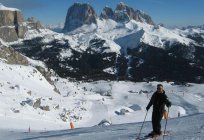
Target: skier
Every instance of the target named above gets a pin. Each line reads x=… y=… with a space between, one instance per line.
x=158 y=100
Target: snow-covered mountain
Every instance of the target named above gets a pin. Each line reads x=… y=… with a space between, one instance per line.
x=80 y=14
x=123 y=43
x=103 y=47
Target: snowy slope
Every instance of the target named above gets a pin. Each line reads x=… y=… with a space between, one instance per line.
x=134 y=97
x=185 y=128
x=22 y=84
x=87 y=103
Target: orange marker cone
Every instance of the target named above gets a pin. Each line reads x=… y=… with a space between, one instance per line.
x=165 y=115
x=71 y=125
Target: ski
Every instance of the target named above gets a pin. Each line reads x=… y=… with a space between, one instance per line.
x=155 y=137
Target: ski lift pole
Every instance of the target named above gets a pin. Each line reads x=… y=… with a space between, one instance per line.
x=166 y=123
x=141 y=127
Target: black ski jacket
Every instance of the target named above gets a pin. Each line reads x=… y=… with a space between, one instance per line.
x=159 y=101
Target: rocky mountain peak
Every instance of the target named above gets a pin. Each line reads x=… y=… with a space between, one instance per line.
x=107 y=13
x=79 y=14
x=122 y=6
x=124 y=12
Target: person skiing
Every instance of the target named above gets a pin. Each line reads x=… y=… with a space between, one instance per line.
x=158 y=100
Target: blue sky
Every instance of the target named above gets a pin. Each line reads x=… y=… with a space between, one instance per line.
x=169 y=12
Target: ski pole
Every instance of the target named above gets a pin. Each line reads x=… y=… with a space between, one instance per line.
x=166 y=123
x=142 y=126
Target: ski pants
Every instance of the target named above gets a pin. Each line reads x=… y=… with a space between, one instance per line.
x=156 y=120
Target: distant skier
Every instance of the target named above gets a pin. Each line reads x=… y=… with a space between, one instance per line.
x=158 y=100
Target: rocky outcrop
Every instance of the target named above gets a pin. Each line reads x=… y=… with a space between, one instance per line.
x=78 y=15
x=11 y=24
x=37 y=103
x=45 y=108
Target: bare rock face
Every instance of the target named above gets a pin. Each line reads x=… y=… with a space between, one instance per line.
x=11 y=24
x=78 y=15
x=7 y=18
x=8 y=34
x=107 y=13
x=21 y=31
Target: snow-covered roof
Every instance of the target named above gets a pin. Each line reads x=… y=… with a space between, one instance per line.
x=2 y=7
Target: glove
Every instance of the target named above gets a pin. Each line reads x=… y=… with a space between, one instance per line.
x=147 y=108
x=168 y=104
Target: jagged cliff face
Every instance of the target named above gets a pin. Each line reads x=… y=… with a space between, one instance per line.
x=11 y=24
x=79 y=14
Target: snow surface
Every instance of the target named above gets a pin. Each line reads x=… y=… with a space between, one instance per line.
x=185 y=128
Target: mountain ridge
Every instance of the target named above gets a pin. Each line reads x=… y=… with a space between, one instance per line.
x=82 y=13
